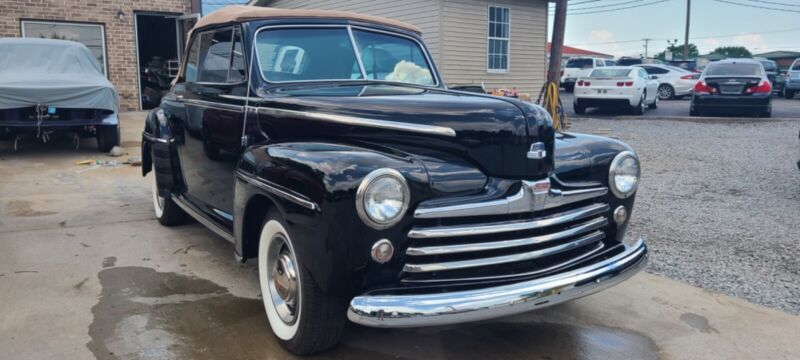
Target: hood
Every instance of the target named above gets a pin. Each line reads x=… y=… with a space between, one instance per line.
x=490 y=133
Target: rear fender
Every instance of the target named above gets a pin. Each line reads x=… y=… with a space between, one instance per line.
x=313 y=187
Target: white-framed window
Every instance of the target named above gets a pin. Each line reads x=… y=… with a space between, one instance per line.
x=499 y=38
x=91 y=35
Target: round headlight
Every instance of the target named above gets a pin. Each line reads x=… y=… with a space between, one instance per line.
x=623 y=174
x=382 y=198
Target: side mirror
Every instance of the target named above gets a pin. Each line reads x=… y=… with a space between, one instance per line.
x=653 y=77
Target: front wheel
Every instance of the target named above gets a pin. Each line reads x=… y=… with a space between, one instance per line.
x=107 y=137
x=666 y=92
x=303 y=318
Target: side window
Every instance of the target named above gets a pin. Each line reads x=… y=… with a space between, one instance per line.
x=598 y=63
x=215 y=56
x=190 y=73
x=643 y=73
x=238 y=71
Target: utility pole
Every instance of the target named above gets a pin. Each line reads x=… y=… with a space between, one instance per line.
x=646 y=43
x=557 y=44
x=686 y=37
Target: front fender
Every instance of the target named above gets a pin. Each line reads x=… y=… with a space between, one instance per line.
x=329 y=238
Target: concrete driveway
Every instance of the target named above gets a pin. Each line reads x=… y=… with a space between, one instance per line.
x=87 y=272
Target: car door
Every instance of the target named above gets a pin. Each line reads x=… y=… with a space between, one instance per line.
x=214 y=106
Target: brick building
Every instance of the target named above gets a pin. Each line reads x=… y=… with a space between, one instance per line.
x=121 y=33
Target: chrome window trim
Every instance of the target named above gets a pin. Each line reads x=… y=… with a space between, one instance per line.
x=360 y=121
x=349 y=28
x=590 y=225
x=230 y=59
x=507 y=226
x=277 y=190
x=505 y=259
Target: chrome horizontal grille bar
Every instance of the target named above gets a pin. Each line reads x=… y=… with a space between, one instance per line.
x=575 y=260
x=593 y=224
x=507 y=226
x=530 y=255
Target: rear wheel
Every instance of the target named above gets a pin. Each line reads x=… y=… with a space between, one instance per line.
x=766 y=113
x=639 y=108
x=107 y=137
x=666 y=92
x=569 y=88
x=303 y=318
x=788 y=94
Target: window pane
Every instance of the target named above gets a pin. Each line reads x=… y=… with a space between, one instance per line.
x=190 y=73
x=503 y=62
x=237 y=73
x=90 y=35
x=387 y=57
x=492 y=13
x=305 y=54
x=215 y=56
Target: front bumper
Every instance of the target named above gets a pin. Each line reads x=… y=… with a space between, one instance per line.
x=397 y=311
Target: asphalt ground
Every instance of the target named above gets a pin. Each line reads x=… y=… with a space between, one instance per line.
x=87 y=272
x=781 y=108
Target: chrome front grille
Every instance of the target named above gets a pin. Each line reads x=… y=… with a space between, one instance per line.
x=521 y=244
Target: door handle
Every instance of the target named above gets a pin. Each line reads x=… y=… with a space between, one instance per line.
x=179 y=97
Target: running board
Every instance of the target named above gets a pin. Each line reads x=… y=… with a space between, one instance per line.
x=197 y=215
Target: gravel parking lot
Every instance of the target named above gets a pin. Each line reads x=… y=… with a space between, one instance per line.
x=719 y=203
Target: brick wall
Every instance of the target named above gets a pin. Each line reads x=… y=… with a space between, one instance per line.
x=120 y=34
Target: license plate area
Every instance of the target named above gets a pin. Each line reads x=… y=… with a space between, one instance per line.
x=602 y=91
x=731 y=89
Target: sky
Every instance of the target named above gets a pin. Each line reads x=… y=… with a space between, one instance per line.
x=713 y=23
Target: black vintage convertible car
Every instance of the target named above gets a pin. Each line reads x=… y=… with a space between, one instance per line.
x=325 y=145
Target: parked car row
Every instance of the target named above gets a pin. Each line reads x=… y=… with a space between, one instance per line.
x=740 y=86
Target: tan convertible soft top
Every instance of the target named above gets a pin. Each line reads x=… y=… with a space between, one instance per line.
x=237 y=13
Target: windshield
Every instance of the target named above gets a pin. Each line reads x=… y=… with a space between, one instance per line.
x=626 y=62
x=580 y=63
x=319 y=54
x=795 y=66
x=769 y=65
x=733 y=70
x=605 y=73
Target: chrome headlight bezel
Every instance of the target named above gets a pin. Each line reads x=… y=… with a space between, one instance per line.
x=364 y=187
x=614 y=168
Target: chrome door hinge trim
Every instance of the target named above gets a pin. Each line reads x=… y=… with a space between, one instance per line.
x=360 y=121
x=277 y=190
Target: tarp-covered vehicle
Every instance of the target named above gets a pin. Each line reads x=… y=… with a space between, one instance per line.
x=55 y=87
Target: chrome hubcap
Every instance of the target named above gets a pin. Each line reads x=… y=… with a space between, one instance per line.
x=664 y=93
x=283 y=279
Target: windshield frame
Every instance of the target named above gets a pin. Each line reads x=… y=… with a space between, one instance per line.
x=357 y=54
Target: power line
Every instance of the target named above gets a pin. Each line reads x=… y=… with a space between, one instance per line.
x=618 y=9
x=774 y=3
x=599 y=6
x=691 y=38
x=757 y=6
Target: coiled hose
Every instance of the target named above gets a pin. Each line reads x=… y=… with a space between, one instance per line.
x=549 y=99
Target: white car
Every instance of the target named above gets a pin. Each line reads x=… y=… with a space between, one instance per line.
x=673 y=82
x=579 y=67
x=617 y=86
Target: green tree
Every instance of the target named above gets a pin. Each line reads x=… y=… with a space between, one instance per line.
x=733 y=51
x=677 y=52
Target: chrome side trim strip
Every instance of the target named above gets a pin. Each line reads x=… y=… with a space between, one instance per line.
x=506 y=226
x=528 y=198
x=277 y=190
x=505 y=259
x=359 y=121
x=214 y=105
x=436 y=309
x=494 y=245
x=575 y=260
x=193 y=212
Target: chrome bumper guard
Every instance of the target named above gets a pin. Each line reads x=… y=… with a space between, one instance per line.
x=398 y=311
